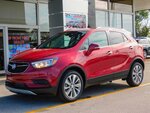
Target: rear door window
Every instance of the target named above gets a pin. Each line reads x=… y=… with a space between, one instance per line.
x=116 y=38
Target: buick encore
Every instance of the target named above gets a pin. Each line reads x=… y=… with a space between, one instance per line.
x=68 y=62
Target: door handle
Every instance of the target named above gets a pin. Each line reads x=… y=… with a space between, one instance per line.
x=109 y=52
x=131 y=47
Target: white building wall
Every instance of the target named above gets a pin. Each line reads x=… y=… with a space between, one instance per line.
x=77 y=6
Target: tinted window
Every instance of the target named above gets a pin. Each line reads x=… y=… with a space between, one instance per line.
x=99 y=38
x=116 y=38
x=63 y=40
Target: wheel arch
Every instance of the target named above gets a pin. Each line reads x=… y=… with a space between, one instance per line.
x=139 y=60
x=74 y=67
x=129 y=79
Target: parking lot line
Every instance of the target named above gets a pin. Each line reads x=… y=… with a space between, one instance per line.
x=2 y=79
x=146 y=84
x=82 y=100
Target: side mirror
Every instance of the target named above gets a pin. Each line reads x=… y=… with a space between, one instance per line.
x=92 y=47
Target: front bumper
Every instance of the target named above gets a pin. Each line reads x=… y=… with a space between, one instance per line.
x=34 y=81
x=21 y=88
x=20 y=91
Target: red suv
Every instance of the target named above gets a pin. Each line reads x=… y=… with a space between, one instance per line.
x=70 y=61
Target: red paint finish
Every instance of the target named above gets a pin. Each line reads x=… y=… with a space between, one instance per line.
x=100 y=62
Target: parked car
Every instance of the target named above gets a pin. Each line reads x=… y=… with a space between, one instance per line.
x=145 y=41
x=70 y=61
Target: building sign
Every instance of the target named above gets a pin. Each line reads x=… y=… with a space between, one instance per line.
x=18 y=42
x=75 y=21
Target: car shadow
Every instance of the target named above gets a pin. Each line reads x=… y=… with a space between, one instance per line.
x=21 y=103
x=103 y=89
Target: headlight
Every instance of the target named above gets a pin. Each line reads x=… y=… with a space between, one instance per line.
x=44 y=63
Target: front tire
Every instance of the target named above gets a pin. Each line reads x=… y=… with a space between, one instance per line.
x=136 y=75
x=71 y=86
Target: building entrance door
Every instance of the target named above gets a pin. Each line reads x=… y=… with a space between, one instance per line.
x=4 y=56
x=1 y=50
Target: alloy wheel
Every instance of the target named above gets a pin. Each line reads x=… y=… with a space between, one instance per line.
x=72 y=86
x=137 y=74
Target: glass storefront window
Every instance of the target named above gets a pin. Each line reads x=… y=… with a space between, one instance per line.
x=30 y=13
x=21 y=40
x=12 y=12
x=101 y=4
x=101 y=19
x=128 y=22
x=121 y=5
x=44 y=21
x=115 y=20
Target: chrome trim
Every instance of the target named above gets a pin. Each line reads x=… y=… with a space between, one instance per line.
x=22 y=91
x=18 y=66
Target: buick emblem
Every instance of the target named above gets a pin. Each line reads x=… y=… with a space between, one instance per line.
x=13 y=66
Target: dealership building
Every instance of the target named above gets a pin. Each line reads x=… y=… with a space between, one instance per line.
x=26 y=23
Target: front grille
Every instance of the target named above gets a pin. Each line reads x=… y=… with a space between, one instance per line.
x=17 y=67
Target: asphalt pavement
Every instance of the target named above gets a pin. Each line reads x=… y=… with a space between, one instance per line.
x=115 y=97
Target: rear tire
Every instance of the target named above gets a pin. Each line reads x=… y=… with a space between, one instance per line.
x=136 y=75
x=71 y=86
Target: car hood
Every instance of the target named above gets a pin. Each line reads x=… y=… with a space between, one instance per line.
x=35 y=54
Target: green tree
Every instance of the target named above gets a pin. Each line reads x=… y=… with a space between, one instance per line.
x=142 y=28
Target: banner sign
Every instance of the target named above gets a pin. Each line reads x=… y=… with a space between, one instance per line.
x=18 y=42
x=75 y=21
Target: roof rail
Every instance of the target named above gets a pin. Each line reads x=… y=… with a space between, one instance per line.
x=104 y=28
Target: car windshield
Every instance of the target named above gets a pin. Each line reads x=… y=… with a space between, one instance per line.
x=63 y=40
